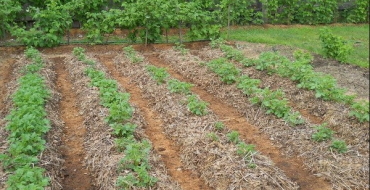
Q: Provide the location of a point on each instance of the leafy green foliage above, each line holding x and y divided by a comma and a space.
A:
360, 13
233, 137
27, 125
227, 71
176, 86
248, 85
360, 110
132, 55
213, 136
159, 74
197, 106
339, 146
219, 126
49, 27
247, 151
334, 46
323, 133
28, 177
136, 160
232, 53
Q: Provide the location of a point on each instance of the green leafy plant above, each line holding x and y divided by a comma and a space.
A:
159, 74
334, 46
360, 110
227, 71
181, 48
132, 55
123, 130
219, 126
339, 146
323, 133
233, 137
176, 86
247, 85
197, 106
213, 136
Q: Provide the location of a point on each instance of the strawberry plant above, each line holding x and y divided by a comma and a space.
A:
176, 86
197, 106
159, 74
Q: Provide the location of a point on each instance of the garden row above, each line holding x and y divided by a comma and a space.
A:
295, 141
27, 126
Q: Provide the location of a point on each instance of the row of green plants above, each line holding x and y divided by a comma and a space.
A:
27, 125
196, 106
273, 101
301, 71
316, 11
135, 164
146, 19
199, 108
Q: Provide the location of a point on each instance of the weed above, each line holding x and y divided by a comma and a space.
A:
181, 48
334, 46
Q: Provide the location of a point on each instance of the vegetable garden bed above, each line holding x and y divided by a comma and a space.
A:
184, 123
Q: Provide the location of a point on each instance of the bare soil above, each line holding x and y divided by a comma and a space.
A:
76, 175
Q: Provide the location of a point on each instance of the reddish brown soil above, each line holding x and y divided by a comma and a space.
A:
6, 68
293, 167
161, 143
76, 175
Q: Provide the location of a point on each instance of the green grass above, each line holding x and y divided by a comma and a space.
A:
307, 37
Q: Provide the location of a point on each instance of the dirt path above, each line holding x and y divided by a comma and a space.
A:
161, 143
6, 69
293, 167
76, 175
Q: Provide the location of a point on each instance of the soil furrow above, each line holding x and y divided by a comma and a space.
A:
161, 143
6, 69
293, 167
76, 175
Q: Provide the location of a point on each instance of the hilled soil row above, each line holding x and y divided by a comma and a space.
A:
294, 142
215, 162
251, 134
163, 145
102, 159
50, 159
316, 110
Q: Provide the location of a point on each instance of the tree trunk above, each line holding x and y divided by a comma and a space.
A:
146, 36
166, 35
228, 22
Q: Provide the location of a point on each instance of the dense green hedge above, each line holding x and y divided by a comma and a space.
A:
146, 19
